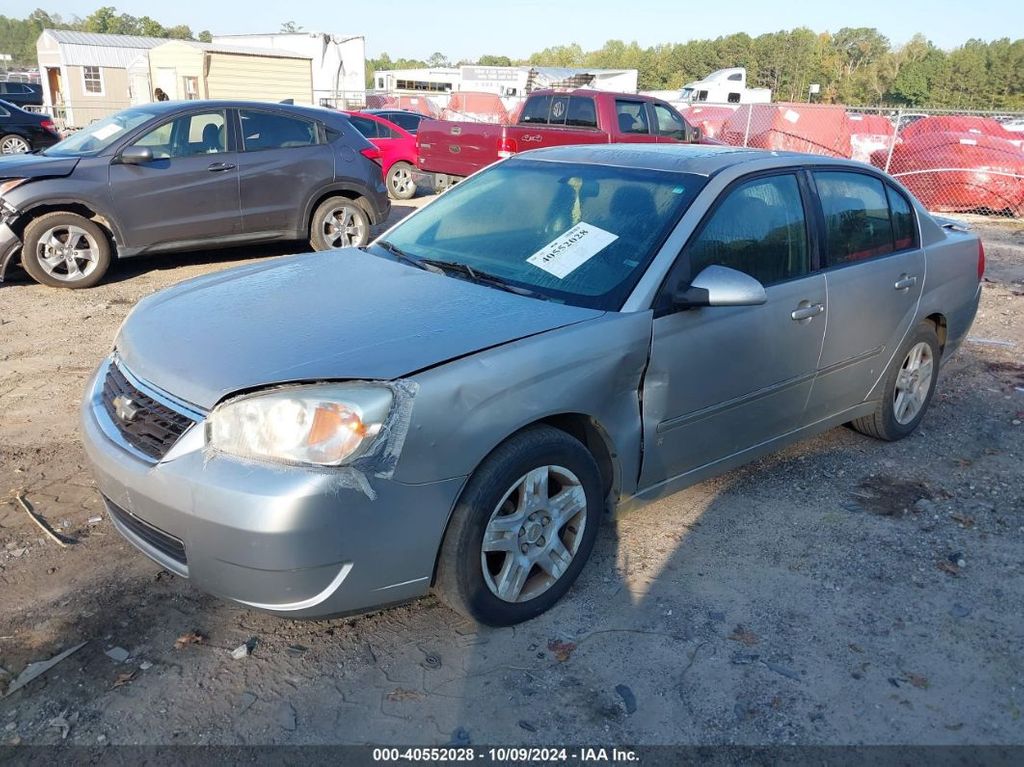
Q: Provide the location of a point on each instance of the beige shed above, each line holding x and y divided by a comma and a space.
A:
190, 70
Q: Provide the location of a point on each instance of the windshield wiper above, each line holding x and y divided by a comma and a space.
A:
401, 255
486, 278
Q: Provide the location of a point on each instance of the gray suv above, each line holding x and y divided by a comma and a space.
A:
176, 176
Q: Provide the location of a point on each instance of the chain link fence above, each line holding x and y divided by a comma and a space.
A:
953, 161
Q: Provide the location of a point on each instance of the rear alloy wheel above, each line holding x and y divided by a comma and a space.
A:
12, 144
400, 182
65, 250
339, 223
908, 388
523, 528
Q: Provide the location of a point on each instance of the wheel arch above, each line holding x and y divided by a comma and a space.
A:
358, 196
30, 214
941, 328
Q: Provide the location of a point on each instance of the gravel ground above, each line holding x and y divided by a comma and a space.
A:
842, 591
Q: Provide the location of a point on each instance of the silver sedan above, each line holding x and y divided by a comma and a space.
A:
453, 406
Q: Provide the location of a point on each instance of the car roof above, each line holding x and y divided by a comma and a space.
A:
702, 159
171, 107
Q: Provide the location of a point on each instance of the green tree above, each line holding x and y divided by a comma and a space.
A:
494, 61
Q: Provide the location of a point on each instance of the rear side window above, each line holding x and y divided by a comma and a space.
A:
267, 130
903, 230
409, 122
857, 222
536, 110
632, 116
582, 113
759, 228
367, 127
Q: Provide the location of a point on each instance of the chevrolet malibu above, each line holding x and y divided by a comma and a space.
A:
452, 406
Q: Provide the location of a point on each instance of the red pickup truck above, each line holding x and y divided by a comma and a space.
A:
451, 150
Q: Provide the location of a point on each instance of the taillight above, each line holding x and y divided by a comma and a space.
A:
371, 153
981, 260
507, 147
48, 125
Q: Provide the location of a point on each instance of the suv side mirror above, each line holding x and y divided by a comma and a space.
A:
719, 286
137, 155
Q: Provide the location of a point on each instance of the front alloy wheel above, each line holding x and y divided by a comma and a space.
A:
523, 529
533, 534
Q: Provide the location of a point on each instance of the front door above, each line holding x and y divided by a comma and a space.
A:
188, 194
875, 274
722, 380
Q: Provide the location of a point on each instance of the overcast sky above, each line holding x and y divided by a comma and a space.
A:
516, 28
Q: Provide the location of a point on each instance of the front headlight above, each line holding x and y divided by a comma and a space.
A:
324, 424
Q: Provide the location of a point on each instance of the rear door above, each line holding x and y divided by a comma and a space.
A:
725, 379
284, 159
188, 193
875, 271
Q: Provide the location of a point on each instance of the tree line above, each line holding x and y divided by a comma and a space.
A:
852, 66
18, 36
855, 65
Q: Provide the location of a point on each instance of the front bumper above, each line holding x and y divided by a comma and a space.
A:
292, 541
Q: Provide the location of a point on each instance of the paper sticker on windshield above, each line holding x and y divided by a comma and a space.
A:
107, 131
569, 252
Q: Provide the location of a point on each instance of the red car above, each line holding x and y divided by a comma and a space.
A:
397, 151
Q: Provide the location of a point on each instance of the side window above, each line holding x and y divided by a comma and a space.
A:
669, 123
632, 116
536, 110
268, 130
733, 98
582, 113
856, 212
759, 228
366, 127
187, 135
409, 122
903, 230
383, 131
702, 95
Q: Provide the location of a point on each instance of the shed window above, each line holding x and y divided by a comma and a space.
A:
92, 79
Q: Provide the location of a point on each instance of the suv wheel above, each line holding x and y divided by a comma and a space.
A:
522, 530
339, 223
65, 250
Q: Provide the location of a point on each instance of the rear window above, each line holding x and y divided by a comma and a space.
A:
857, 221
536, 110
572, 111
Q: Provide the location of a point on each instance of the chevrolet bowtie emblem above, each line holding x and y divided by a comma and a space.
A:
125, 408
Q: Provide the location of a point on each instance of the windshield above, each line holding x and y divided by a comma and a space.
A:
100, 134
577, 233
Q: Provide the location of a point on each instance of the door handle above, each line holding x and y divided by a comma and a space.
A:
219, 166
905, 282
807, 312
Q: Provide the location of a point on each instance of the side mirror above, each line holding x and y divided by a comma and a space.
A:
720, 286
137, 155
695, 135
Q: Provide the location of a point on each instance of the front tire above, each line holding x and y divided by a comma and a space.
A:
339, 222
908, 388
65, 250
400, 183
522, 530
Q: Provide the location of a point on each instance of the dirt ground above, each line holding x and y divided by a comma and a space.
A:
843, 591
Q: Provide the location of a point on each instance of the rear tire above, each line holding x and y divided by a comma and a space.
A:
400, 183
12, 144
538, 499
908, 388
65, 250
339, 222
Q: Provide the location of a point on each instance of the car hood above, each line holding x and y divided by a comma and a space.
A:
35, 166
322, 316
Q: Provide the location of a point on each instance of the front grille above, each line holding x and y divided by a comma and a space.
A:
154, 536
147, 425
